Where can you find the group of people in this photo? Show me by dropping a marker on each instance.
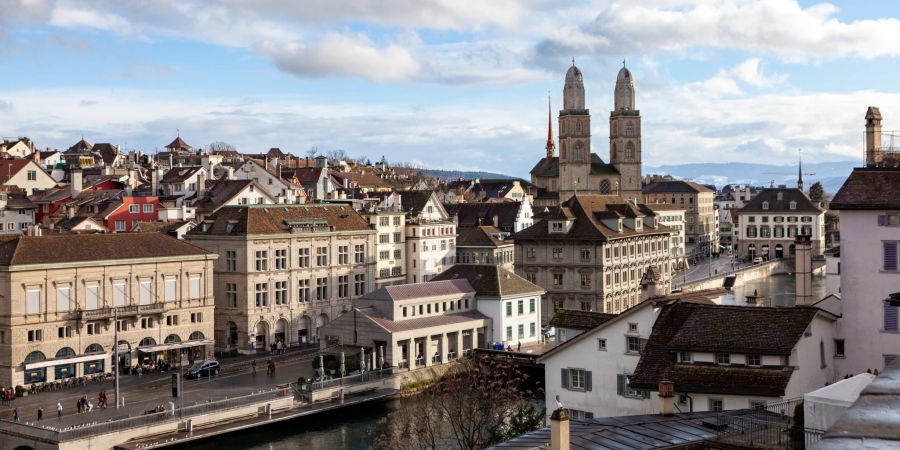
(270, 367)
(148, 366)
(83, 406)
(277, 348)
(7, 395)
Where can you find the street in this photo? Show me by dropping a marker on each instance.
(706, 268)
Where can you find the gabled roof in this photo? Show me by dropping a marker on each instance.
(579, 320)
(869, 189)
(546, 167)
(179, 174)
(304, 175)
(484, 236)
(489, 280)
(684, 326)
(219, 192)
(81, 146)
(417, 323)
(420, 290)
(279, 219)
(678, 186)
(589, 212)
(71, 248)
(771, 196)
(10, 167)
(414, 201)
(107, 151)
(483, 213)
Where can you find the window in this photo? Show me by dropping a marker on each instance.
(396, 221)
(508, 309)
(716, 404)
(532, 305)
(120, 225)
(531, 277)
(384, 238)
(194, 287)
(723, 358)
(344, 254)
(281, 293)
(384, 221)
(397, 237)
(134, 209)
(119, 293)
(557, 279)
(303, 291)
(754, 360)
(822, 362)
(624, 390)
(889, 256)
(281, 259)
(262, 260)
(632, 327)
(585, 280)
(231, 295)
(94, 328)
(322, 288)
(62, 298)
(230, 260)
(145, 292)
(321, 256)
(35, 335)
(531, 326)
(509, 333)
(529, 252)
(148, 207)
(171, 289)
(682, 399)
(262, 294)
(384, 255)
(634, 345)
(359, 281)
(765, 205)
(33, 301)
(398, 255)
(32, 175)
(601, 344)
(172, 320)
(839, 348)
(557, 252)
(585, 306)
(359, 254)
(146, 322)
(521, 331)
(92, 297)
(64, 332)
(576, 379)
(521, 307)
(890, 317)
(303, 257)
(684, 357)
(889, 220)
(757, 404)
(343, 286)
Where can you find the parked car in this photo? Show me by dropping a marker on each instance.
(549, 331)
(203, 369)
(758, 260)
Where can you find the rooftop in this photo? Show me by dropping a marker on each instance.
(869, 189)
(490, 280)
(72, 248)
(872, 422)
(578, 320)
(421, 290)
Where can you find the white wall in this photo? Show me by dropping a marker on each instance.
(863, 288)
(810, 375)
(496, 310)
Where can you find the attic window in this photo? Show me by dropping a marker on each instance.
(230, 227)
(206, 226)
(765, 205)
(556, 227)
(793, 205)
(780, 196)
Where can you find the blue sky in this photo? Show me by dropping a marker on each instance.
(457, 85)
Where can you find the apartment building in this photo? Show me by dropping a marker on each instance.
(768, 225)
(596, 253)
(673, 216)
(701, 227)
(430, 234)
(67, 295)
(285, 270)
(390, 245)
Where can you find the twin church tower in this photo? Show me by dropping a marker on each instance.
(577, 169)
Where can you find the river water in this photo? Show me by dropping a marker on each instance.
(356, 428)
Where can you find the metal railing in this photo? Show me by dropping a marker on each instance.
(784, 407)
(361, 378)
(755, 430)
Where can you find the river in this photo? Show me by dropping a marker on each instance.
(357, 428)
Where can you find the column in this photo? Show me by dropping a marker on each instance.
(443, 348)
(459, 343)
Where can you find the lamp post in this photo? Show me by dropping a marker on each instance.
(117, 362)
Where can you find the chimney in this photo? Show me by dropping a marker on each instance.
(70, 211)
(803, 270)
(873, 137)
(559, 430)
(230, 174)
(75, 182)
(201, 184)
(666, 398)
(496, 221)
(154, 181)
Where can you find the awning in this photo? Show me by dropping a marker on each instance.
(174, 346)
(63, 361)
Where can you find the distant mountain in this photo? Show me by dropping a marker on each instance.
(467, 175)
(830, 174)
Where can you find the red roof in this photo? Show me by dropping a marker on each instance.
(178, 143)
(10, 167)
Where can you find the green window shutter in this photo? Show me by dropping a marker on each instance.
(587, 380)
(565, 378)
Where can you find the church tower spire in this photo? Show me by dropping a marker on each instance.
(551, 145)
(625, 136)
(800, 171)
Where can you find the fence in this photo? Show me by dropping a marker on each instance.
(364, 377)
(114, 425)
(756, 430)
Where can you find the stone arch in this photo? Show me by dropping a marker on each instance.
(281, 331)
(35, 375)
(172, 339)
(65, 352)
(261, 340)
(304, 327)
(147, 341)
(93, 349)
(321, 320)
(197, 336)
(232, 333)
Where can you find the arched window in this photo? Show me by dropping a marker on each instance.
(562, 150)
(35, 375)
(93, 348)
(147, 341)
(629, 129)
(171, 339)
(34, 357)
(196, 336)
(615, 152)
(579, 151)
(232, 333)
(604, 187)
(629, 151)
(65, 352)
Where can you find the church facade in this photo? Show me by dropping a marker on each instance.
(577, 169)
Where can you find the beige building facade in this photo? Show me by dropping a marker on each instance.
(284, 271)
(67, 295)
(390, 245)
(701, 228)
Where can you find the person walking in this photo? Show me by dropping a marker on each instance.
(519, 348)
(58, 410)
(16, 414)
(40, 415)
(253, 365)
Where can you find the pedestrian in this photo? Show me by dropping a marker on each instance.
(519, 348)
(40, 416)
(273, 367)
(78, 406)
(16, 414)
(253, 365)
(58, 410)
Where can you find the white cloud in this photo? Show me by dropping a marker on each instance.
(336, 54)
(80, 18)
(750, 72)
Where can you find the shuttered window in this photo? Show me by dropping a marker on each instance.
(194, 287)
(890, 317)
(62, 298)
(890, 256)
(92, 297)
(119, 293)
(32, 301)
(170, 289)
(146, 292)
(623, 390)
(577, 379)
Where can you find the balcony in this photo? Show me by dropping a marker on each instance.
(124, 311)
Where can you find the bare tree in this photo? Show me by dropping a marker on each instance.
(475, 405)
(312, 152)
(337, 155)
(220, 146)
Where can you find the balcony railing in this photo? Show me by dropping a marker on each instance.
(124, 311)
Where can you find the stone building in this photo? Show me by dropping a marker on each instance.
(430, 234)
(596, 253)
(284, 270)
(768, 225)
(485, 245)
(390, 245)
(63, 294)
(701, 219)
(673, 216)
(577, 169)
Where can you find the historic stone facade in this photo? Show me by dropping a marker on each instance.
(577, 169)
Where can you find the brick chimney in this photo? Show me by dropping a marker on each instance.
(201, 184)
(75, 183)
(803, 270)
(666, 398)
(559, 430)
(154, 181)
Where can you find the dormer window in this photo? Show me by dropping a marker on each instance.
(793, 205)
(765, 205)
(556, 227)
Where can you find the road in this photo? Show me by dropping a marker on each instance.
(706, 268)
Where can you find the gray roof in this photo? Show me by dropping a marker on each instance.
(490, 280)
(421, 290)
(782, 205)
(417, 323)
(675, 186)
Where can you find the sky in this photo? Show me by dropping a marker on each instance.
(449, 84)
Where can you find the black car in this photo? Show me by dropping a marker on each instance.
(203, 369)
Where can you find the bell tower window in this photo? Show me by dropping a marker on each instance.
(629, 151)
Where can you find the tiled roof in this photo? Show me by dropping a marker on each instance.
(302, 174)
(107, 151)
(420, 290)
(770, 195)
(665, 207)
(219, 193)
(177, 144)
(179, 174)
(688, 326)
(588, 212)
(25, 250)
(675, 186)
(483, 236)
(414, 201)
(10, 167)
(578, 320)
(483, 213)
(417, 323)
(278, 219)
(869, 188)
(490, 280)
(546, 167)
(80, 147)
